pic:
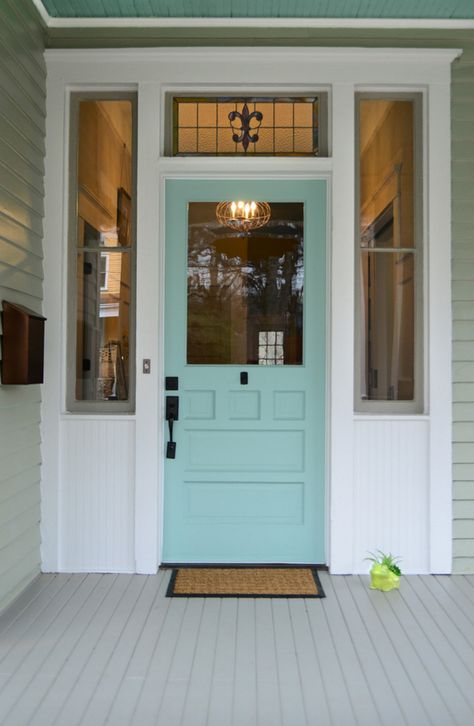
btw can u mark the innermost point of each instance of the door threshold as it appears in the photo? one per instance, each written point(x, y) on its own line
point(235, 565)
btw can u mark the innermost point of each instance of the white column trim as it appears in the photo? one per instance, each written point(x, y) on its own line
point(149, 335)
point(439, 325)
point(341, 559)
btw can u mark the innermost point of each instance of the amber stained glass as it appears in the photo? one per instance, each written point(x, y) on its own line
point(274, 126)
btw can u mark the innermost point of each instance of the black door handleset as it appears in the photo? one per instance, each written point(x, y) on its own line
point(172, 409)
point(171, 415)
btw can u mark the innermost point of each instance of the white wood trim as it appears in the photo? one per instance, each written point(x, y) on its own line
point(45, 16)
point(149, 335)
point(438, 326)
point(342, 72)
point(354, 23)
point(338, 56)
point(391, 417)
point(341, 534)
point(221, 167)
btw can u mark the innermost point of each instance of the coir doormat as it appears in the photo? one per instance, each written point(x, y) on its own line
point(245, 582)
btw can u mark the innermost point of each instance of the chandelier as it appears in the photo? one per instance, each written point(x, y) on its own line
point(243, 216)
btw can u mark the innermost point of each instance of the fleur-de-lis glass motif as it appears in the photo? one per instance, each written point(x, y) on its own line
point(246, 133)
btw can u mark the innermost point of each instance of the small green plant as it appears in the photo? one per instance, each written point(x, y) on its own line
point(385, 572)
point(389, 561)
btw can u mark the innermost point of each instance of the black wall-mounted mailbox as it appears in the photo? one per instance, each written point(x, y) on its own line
point(22, 345)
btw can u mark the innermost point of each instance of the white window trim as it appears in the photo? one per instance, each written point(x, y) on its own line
point(343, 71)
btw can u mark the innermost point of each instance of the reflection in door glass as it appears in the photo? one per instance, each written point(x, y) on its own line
point(245, 289)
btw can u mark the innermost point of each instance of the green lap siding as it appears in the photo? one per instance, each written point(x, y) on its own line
point(463, 309)
point(22, 132)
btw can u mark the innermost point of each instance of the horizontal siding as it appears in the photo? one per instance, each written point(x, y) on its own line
point(22, 131)
point(463, 312)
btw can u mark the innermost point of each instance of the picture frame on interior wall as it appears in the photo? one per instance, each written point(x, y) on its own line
point(124, 216)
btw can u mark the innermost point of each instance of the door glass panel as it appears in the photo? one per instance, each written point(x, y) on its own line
point(245, 289)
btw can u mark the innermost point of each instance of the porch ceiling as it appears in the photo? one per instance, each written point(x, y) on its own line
point(341, 9)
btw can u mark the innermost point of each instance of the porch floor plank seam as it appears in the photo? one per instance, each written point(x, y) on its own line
point(113, 649)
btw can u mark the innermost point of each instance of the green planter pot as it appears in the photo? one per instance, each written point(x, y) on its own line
point(381, 578)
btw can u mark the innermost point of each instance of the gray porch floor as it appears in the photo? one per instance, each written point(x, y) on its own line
point(95, 649)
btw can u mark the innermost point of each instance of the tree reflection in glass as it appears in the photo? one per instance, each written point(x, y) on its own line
point(245, 290)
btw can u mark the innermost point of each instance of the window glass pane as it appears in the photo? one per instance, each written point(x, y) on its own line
point(103, 324)
point(104, 248)
point(245, 289)
point(387, 255)
point(388, 326)
point(229, 126)
point(386, 149)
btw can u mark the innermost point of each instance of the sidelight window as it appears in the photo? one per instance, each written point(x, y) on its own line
point(101, 271)
point(388, 254)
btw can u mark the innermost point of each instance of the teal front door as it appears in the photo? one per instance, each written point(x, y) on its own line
point(245, 337)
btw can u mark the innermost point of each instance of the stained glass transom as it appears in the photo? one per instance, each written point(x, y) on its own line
point(245, 126)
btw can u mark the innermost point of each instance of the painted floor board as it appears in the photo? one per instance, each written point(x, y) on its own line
point(220, 706)
point(268, 691)
point(112, 649)
point(365, 708)
point(309, 665)
point(372, 665)
point(196, 702)
point(385, 642)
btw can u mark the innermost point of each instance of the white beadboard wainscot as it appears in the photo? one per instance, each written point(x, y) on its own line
point(97, 495)
point(391, 491)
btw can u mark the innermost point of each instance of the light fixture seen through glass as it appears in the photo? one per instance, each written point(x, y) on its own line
point(242, 216)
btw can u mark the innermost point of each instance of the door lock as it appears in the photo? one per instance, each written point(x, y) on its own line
point(172, 408)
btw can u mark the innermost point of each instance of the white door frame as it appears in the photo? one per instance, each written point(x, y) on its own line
point(264, 169)
point(342, 72)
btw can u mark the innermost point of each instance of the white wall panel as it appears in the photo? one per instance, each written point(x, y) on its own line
point(97, 495)
point(391, 491)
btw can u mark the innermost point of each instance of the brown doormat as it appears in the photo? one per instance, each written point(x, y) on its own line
point(244, 582)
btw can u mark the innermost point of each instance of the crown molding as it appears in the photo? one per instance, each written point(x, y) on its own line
point(213, 54)
point(234, 23)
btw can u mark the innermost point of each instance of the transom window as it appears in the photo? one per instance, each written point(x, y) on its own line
point(254, 126)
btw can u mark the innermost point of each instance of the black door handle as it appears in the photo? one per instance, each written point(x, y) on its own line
point(171, 415)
